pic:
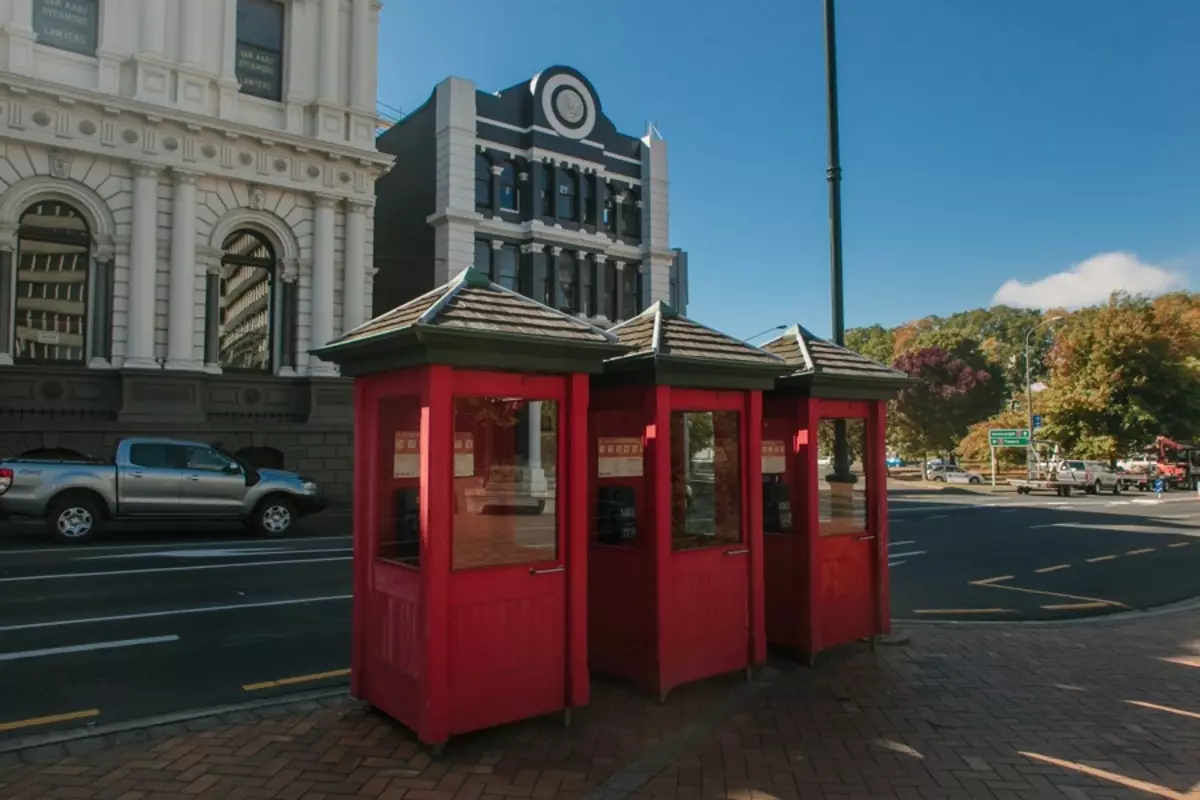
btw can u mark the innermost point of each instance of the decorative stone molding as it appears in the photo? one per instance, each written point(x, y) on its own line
point(555, 250)
point(497, 171)
point(497, 244)
point(529, 247)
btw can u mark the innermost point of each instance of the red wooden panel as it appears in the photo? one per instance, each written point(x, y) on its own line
point(843, 409)
point(578, 448)
point(784, 586)
point(846, 604)
point(366, 471)
point(707, 400)
point(709, 629)
point(807, 421)
point(620, 617)
point(878, 499)
point(437, 453)
point(658, 460)
point(752, 535)
point(508, 384)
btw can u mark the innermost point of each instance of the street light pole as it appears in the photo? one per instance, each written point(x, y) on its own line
point(1029, 393)
point(841, 456)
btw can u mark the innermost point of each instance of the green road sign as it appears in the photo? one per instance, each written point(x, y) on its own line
point(1008, 437)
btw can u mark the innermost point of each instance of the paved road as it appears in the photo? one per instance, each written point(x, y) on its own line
point(1008, 557)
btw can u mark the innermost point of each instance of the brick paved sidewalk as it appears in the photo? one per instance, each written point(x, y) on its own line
point(1105, 710)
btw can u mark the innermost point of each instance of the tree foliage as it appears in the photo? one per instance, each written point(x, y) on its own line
point(875, 342)
point(975, 445)
point(933, 414)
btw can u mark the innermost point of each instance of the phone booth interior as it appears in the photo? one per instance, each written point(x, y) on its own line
point(470, 525)
point(675, 563)
point(824, 523)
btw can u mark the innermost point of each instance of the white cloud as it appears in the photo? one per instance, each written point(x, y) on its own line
point(1090, 282)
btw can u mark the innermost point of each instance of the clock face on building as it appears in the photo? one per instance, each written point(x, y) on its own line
point(569, 106)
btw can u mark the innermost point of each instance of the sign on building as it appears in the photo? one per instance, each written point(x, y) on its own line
point(67, 24)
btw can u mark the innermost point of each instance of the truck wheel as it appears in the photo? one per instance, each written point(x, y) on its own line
point(1096, 488)
point(1117, 488)
point(74, 520)
point(274, 517)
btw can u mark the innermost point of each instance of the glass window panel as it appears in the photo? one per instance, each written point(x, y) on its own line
point(505, 481)
point(842, 503)
point(620, 477)
point(246, 310)
point(67, 24)
point(399, 494)
point(507, 272)
point(629, 288)
point(483, 182)
point(587, 302)
point(565, 299)
point(547, 191)
point(259, 62)
point(483, 256)
point(153, 456)
point(509, 198)
point(205, 458)
point(706, 479)
point(51, 303)
point(566, 194)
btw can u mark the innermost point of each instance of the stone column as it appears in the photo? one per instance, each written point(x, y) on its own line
point(537, 475)
point(191, 30)
point(551, 172)
point(100, 322)
point(20, 38)
point(212, 317)
point(354, 292)
point(602, 307)
point(143, 266)
point(227, 84)
point(360, 53)
point(288, 299)
point(581, 194)
point(533, 209)
point(154, 20)
point(322, 281)
point(526, 277)
point(327, 52)
point(6, 305)
point(181, 321)
point(622, 311)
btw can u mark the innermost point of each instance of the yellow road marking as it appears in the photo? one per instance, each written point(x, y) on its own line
point(1139, 552)
point(1179, 544)
point(1055, 594)
point(317, 676)
point(990, 581)
point(963, 611)
point(1131, 783)
point(1074, 606)
point(1100, 558)
point(29, 723)
point(1168, 709)
point(1055, 568)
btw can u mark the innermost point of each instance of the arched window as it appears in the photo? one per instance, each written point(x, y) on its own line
point(483, 181)
point(568, 194)
point(509, 199)
point(51, 304)
point(246, 313)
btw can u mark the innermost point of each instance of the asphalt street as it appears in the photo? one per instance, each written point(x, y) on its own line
point(151, 622)
point(1006, 557)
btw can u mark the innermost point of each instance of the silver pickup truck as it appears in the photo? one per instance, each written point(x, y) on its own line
point(153, 479)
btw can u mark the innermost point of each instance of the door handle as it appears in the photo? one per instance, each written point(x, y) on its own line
point(741, 552)
point(547, 571)
point(867, 538)
point(135, 475)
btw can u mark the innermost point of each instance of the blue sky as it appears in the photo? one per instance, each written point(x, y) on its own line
point(982, 142)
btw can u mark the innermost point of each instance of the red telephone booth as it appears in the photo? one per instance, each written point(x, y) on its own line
point(825, 526)
point(675, 563)
point(470, 521)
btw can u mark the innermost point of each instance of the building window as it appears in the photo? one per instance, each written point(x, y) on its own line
point(483, 256)
point(609, 223)
point(566, 287)
point(546, 191)
point(51, 304)
point(568, 194)
point(509, 199)
point(483, 182)
point(706, 479)
point(631, 225)
point(587, 300)
point(260, 48)
point(67, 24)
point(630, 294)
point(246, 311)
point(506, 271)
point(608, 303)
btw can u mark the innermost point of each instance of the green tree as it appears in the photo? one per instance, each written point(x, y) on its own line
point(875, 342)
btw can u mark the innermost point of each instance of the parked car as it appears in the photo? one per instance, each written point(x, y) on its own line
point(153, 479)
point(1099, 477)
point(949, 473)
point(894, 461)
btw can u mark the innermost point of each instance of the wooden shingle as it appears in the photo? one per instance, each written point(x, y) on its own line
point(814, 359)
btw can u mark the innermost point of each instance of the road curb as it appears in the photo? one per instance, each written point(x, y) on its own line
point(1132, 615)
point(60, 744)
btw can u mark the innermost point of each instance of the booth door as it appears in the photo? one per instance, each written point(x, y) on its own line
point(710, 556)
point(508, 584)
point(846, 547)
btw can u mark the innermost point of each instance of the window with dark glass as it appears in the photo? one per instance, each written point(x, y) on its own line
point(706, 479)
point(609, 222)
point(630, 286)
point(842, 506)
point(259, 63)
point(509, 198)
point(67, 24)
point(398, 491)
point(247, 303)
point(506, 269)
point(505, 471)
point(546, 191)
point(631, 224)
point(587, 283)
point(483, 256)
point(608, 303)
point(50, 309)
point(566, 296)
point(568, 194)
point(483, 182)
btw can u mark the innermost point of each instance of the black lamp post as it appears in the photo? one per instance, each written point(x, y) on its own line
point(841, 459)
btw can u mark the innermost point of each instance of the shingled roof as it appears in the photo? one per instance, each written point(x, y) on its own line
point(471, 322)
point(835, 370)
point(681, 352)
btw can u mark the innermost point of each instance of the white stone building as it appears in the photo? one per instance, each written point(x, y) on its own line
point(186, 195)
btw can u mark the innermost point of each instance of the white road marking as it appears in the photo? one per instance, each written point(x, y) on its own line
point(60, 550)
point(906, 555)
point(895, 563)
point(1058, 503)
point(1121, 502)
point(897, 544)
point(85, 648)
point(173, 612)
point(230, 552)
point(149, 570)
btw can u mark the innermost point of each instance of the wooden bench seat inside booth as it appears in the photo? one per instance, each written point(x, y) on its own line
point(470, 507)
point(826, 556)
point(675, 593)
